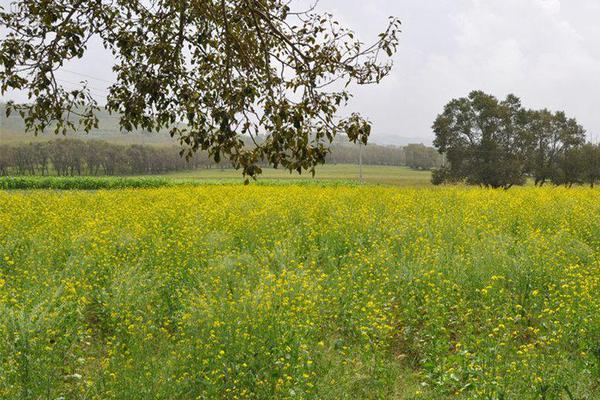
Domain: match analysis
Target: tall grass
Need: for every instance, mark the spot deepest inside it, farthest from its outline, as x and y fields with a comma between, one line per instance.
x=97, y=183
x=80, y=182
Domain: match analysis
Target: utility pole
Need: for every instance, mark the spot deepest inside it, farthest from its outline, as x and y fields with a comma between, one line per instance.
x=360, y=171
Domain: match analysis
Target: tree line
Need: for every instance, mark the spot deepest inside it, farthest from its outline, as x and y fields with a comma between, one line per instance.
x=499, y=143
x=68, y=157
x=415, y=156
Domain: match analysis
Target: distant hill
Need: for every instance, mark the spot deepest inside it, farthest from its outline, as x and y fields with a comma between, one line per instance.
x=12, y=131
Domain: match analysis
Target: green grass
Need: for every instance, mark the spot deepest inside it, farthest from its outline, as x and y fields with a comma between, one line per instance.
x=81, y=182
x=373, y=174
x=327, y=175
x=145, y=182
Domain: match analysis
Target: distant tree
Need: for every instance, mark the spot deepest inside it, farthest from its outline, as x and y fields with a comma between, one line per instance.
x=590, y=157
x=24, y=159
x=550, y=135
x=75, y=156
x=67, y=156
x=137, y=157
x=41, y=157
x=568, y=168
x=93, y=156
x=209, y=71
x=483, y=141
x=114, y=160
x=419, y=156
x=373, y=154
x=6, y=159
x=58, y=157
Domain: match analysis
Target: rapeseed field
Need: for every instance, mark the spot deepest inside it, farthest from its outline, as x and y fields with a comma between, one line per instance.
x=307, y=292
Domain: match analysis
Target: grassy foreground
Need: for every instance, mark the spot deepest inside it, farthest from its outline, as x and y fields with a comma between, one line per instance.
x=144, y=182
x=300, y=292
x=373, y=174
x=327, y=175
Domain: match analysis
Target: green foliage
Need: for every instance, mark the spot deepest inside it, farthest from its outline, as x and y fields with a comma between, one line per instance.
x=578, y=165
x=498, y=143
x=568, y=167
x=65, y=157
x=482, y=141
x=441, y=175
x=81, y=182
x=590, y=158
x=553, y=139
x=209, y=72
x=419, y=156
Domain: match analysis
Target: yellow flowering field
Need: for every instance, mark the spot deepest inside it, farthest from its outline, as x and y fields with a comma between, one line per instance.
x=308, y=292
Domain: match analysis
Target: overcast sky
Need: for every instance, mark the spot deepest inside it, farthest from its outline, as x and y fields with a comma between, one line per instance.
x=545, y=51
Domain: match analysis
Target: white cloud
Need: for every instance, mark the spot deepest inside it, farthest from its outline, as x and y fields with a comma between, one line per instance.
x=545, y=51
x=550, y=6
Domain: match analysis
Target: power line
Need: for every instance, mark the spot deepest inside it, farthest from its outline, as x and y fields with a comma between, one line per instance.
x=80, y=84
x=98, y=94
x=86, y=76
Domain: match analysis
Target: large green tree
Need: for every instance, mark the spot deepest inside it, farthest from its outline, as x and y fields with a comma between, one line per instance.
x=568, y=169
x=482, y=140
x=551, y=136
x=210, y=71
x=499, y=144
x=590, y=158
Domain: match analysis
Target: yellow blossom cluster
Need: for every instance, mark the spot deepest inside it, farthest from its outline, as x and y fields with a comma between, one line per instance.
x=308, y=292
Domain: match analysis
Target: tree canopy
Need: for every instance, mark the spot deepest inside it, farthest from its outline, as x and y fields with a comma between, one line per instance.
x=551, y=136
x=481, y=138
x=210, y=71
x=498, y=143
